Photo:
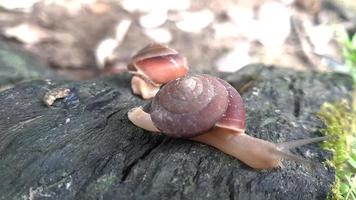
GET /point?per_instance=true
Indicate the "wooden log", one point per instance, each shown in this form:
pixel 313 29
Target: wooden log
pixel 84 147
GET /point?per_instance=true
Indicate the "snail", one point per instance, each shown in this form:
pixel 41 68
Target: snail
pixel 153 66
pixel 207 109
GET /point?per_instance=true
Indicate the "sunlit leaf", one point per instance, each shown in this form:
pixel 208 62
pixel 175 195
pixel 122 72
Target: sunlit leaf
pixel 352 162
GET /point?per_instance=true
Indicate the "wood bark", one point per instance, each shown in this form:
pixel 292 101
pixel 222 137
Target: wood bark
pixel 84 147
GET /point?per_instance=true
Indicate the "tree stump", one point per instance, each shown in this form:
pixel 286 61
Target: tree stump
pixel 84 147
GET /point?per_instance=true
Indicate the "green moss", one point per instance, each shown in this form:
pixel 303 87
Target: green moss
pixel 340 120
pixel 349 52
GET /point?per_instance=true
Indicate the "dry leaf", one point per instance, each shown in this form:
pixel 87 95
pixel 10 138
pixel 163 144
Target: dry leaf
pixel 235 59
pixel 153 19
pixel 194 22
pixel 160 35
pixel 27 33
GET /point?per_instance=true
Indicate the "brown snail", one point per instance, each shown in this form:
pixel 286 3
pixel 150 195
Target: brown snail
pixel 207 109
pixel 153 66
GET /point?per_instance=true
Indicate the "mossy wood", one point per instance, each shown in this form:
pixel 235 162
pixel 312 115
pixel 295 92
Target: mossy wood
pixel 84 147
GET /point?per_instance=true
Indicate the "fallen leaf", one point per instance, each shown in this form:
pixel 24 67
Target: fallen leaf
pixel 153 19
pixel 27 33
pixel 160 35
pixel 194 22
pixel 104 50
pixel 235 59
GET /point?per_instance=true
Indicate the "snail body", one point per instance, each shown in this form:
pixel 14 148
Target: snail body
pixel 153 66
pixel 207 109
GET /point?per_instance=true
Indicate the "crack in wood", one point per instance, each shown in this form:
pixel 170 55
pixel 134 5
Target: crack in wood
pixel 231 186
pixel 297 97
pixel 96 173
pixel 127 170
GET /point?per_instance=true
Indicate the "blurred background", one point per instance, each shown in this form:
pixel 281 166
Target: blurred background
pixel 83 39
pixel 86 39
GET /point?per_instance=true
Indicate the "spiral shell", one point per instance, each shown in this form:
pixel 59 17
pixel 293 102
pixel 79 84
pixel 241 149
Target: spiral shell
pixel 191 105
pixel 158 64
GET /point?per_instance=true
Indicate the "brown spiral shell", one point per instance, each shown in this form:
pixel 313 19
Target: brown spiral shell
pixel 191 105
pixel 158 64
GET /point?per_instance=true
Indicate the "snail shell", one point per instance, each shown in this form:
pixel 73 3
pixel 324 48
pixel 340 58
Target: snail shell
pixel 191 105
pixel 158 64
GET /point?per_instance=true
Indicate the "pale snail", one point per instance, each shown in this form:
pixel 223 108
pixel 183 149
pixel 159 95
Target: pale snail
pixel 153 66
pixel 209 110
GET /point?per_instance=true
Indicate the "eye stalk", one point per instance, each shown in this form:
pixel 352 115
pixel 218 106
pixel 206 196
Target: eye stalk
pixel 207 109
pixel 153 66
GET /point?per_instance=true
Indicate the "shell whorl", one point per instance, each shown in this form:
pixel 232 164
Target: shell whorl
pixel 191 105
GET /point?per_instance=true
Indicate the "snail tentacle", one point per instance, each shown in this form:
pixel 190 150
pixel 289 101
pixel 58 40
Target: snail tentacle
pixel 297 143
pixel 283 149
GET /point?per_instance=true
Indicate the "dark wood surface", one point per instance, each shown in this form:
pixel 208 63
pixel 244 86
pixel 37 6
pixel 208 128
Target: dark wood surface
pixel 84 147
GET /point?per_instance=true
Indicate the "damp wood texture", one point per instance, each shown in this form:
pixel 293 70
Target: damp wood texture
pixel 84 147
